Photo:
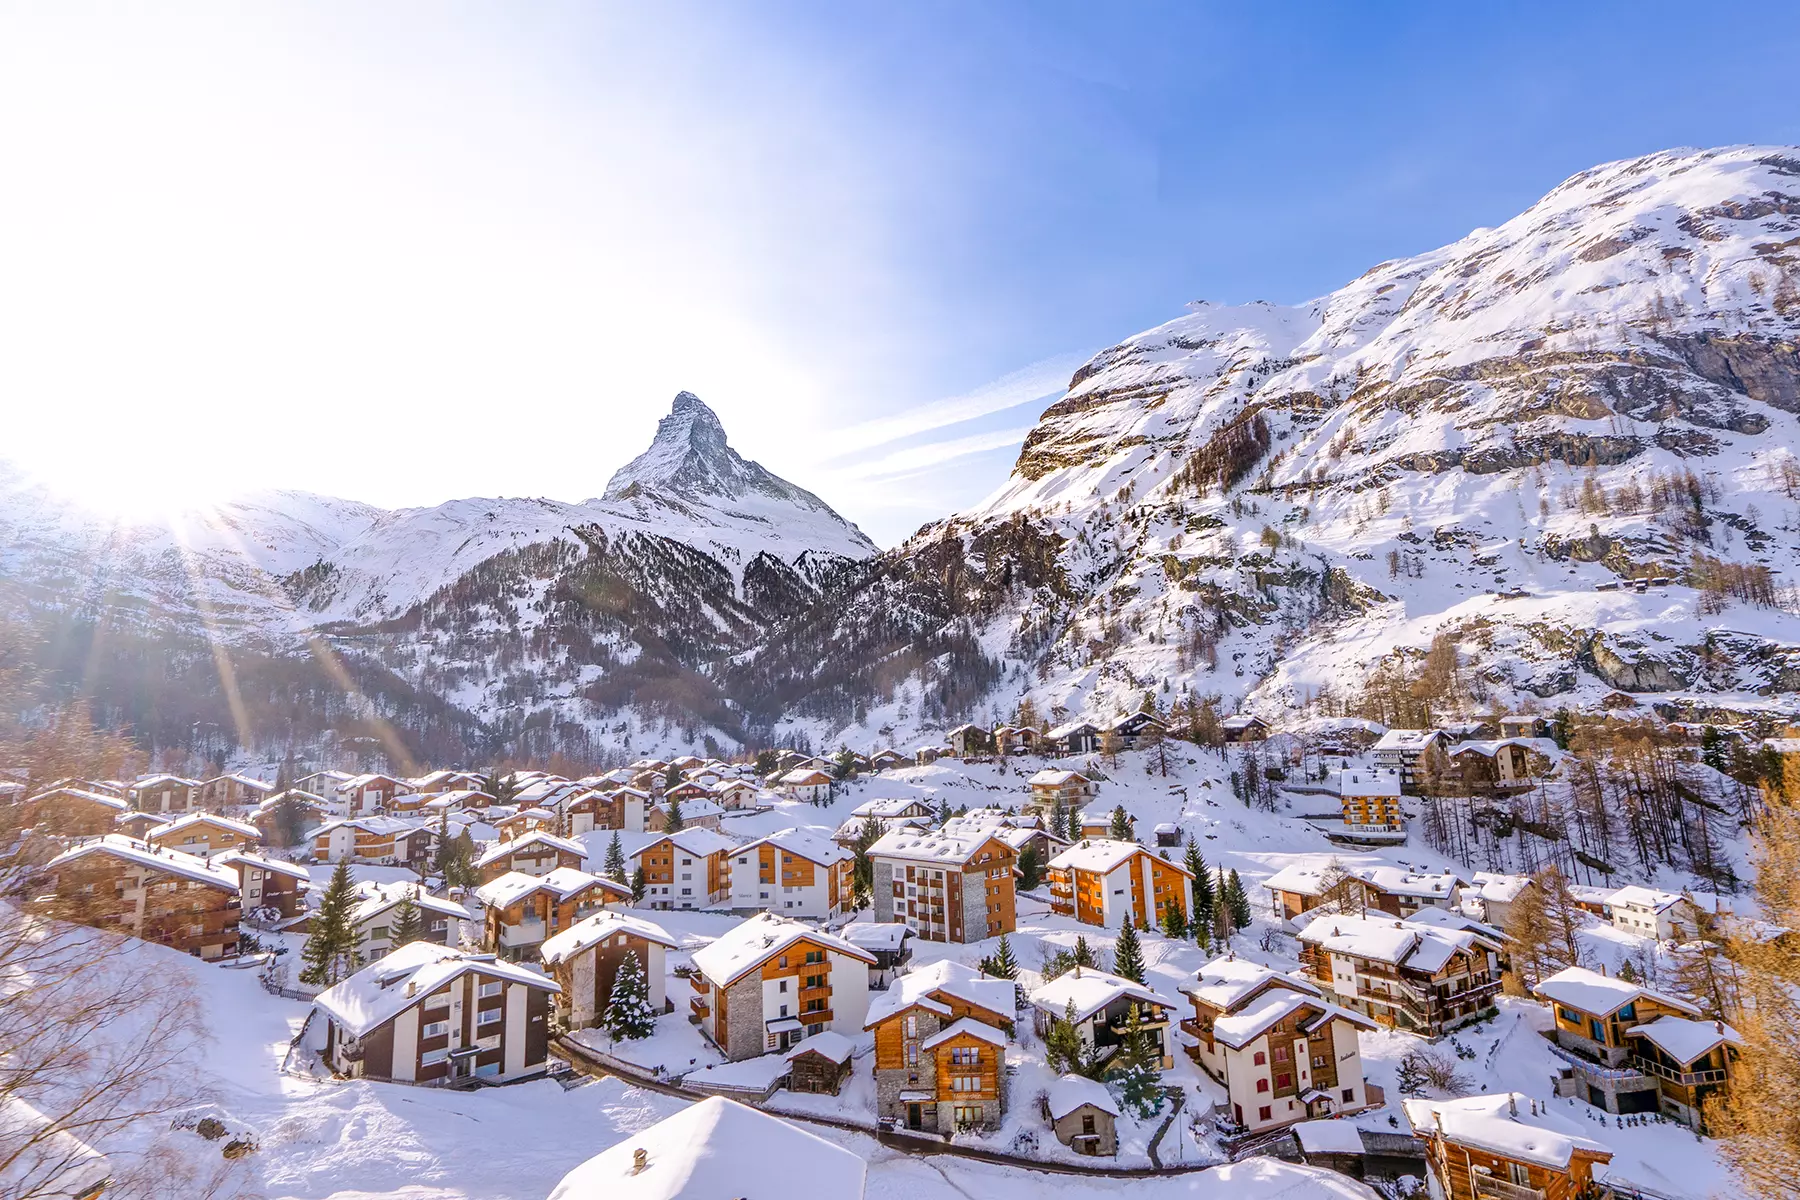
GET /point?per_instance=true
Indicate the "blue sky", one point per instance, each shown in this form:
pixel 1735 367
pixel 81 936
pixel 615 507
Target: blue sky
pixel 876 238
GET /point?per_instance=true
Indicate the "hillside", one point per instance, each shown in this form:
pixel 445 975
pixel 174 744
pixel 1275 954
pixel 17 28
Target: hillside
pixel 1286 507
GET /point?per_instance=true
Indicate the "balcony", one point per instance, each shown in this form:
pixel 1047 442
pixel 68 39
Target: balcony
pixel 1684 1078
pixel 1503 1189
pixel 699 984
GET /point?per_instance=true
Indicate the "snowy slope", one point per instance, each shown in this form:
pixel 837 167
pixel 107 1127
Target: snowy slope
pixel 1262 503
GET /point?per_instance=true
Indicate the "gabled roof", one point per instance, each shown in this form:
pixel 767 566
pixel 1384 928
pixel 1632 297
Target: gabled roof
pixel 253 784
pixel 716 1149
pixel 162 781
pixel 299 794
pixel 802 843
pixel 1063 731
pixel 1071 1092
pixel 377 898
pixel 752 942
pixel 828 1044
pixel 957 843
pixel 1226 982
pixel 1634 896
pixel 1601 995
pixel 1056 777
pixel 204 818
pixel 1499 887
pixel 563 883
pixel 1684 1040
pixel 1101 855
pixel 966 1027
pixel 1090 991
pixel 1242 721
pixel 876 935
pixel 380 826
pixel 590 932
pixel 395 982
pixel 701 842
pixel 112 802
pixel 889 806
pixel 161 858
pixel 1443 918
pixel 525 841
pixel 1504 1125
pixel 1387 939
pixel 236 857
pixel 1406 739
pixel 945 977
pixel 804 777
pixel 1256 1018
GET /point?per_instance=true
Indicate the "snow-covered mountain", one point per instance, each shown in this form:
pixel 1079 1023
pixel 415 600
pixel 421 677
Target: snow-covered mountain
pixel 511 609
pixel 1472 446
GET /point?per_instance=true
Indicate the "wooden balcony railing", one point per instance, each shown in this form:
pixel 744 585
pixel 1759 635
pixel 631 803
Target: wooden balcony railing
pixel 1504 1189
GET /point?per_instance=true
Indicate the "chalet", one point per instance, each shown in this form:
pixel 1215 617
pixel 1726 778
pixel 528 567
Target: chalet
pixel 1592 899
pixel 899 808
pixel 164 794
pixel 1083 1115
pixel 307 810
pixel 1504 1147
pixel 584 960
pixel 1415 977
pixel 162 896
pixel 1497 765
pixel 769 982
pixel 794 872
pixel 524 821
pixel 1654 914
pixel 233 791
pixel 1594 1015
pixel 889 943
pixel 205 834
pixel 136 824
pixel 1282 1051
pixel 436 783
pixel 1411 753
pixel 326 784
pixel 940 1048
pixel 1692 1061
pixel 715 1149
pixel 1523 727
pixel 369 793
pixel 967 741
pixel 1137 729
pixel 1015 739
pixel 435 1015
pixel 1301 887
pixel 621 808
pixel 806 783
pixel 1491 894
pixel 75 812
pixel 1097 821
pixel 690 868
pixel 535 853
pixel 688 789
pixel 440 919
pixel 888 758
pixel 272 891
pixel 1054 785
pixel 458 800
pixel 1370 802
pixel 699 814
pixel 373 839
pixel 820 1064
pixel 1043 842
pixel 953 884
pixel 1100 882
pixel 520 912
pixel 735 795
pixel 1102 1006
pixel 1077 737
pixel 1242 727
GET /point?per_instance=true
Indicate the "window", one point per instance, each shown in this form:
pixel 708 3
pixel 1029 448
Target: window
pixel 967 1114
pixel 489 989
pixel 965 1056
pixel 782 986
pixel 1262 1085
pixel 433 1057
pixel 1281 1054
pixel 1263 1113
pixel 1318 1060
pixel 1284 1080
pixel 912 1025
pixel 1260 1058
pixel 965 1083
pixel 488 1016
pixel 1349 1095
pixel 435 1029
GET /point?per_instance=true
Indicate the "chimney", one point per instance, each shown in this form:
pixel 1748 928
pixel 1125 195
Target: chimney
pixel 1512 1103
pixel 412 988
pixel 640 1159
pixel 1719 1027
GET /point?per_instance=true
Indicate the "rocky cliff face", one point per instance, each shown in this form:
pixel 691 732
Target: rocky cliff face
pixel 1472 446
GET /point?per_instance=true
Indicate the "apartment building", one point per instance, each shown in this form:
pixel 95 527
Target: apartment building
pixel 795 872
pixel 1419 977
pixel 690 868
pixel 159 895
pixel 520 912
pixel 770 982
pixel 953 884
pixel 1099 881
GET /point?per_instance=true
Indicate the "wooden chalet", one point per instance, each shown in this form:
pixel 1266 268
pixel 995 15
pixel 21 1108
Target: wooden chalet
pixel 536 853
pixel 205 834
pixel 1099 881
pixel 1504 1147
pixel 520 912
pixel 159 895
pixel 769 983
pixel 584 960
pixel 940 1048
pixel 271 890
pixel 74 812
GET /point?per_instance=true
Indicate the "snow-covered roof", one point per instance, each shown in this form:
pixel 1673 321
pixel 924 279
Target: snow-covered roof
pixel 1587 893
pixel 1020 836
pixel 831 1045
pixel 591 931
pixel 300 794
pixel 1261 1014
pixel 377 898
pixel 1443 918
pixel 112 802
pixel 957 842
pixel 1090 991
pixel 699 842
pixel 1056 777
pixel 393 983
pixel 1241 721
pixel 802 843
pixel 1387 939
pixel 715 1149
pixel 563 882
pixel 1406 739
pixel 1363 781
pixel 380 826
pixel 1071 1092
pixel 1601 995
pixel 967 1026
pixel 1101 855
pixel 804 777
pixel 949 978
pixel 1225 982
pixel 1498 887
pixel 235 857
pixel 692 809
pixel 161 858
pixel 204 818
pixel 759 938
pixel 1634 896
pixel 1063 731
pixel 1684 1040
pixel 536 837
pixel 889 806
pixel 1398 881
pixel 1504 1125
pixel 163 781
pixel 876 935
pixel 1328 1137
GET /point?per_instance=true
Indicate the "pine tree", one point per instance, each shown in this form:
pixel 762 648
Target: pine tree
pixel 628 1016
pixel 1083 954
pixel 1412 1078
pixel 1135 1069
pixel 1031 871
pixel 1174 921
pixel 944 812
pixel 614 869
pixel 1062 1044
pixel 1222 921
pixel 637 885
pixel 676 821
pixel 1120 829
pixel 1202 887
pixel 408 923
pixel 1237 900
pixel 1074 824
pixel 331 944
pixel 766 762
pixel 1059 817
pixel 1128 954
pixel 1003 965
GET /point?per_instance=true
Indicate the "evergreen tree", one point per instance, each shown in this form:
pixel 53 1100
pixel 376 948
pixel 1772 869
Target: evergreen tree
pixel 1627 972
pixel 1003 965
pixel 1031 871
pixel 944 812
pixel 614 868
pixel 1712 749
pixel 1412 1076
pixel 331 944
pixel 502 787
pixel 671 775
pixel 766 762
pixel 846 764
pixel 1059 817
pixel 1134 1069
pixel 1062 1043
pixel 628 1016
pixel 1222 912
pixel 408 924
pixel 458 868
pixel 1128 954
pixel 676 821
pixel 637 885
pixel 1083 954
pixel 1174 922
pixel 1202 886
pixel 1120 829
pixel 1237 900
pixel 1074 823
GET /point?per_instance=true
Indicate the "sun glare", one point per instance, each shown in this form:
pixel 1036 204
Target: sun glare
pixel 126 493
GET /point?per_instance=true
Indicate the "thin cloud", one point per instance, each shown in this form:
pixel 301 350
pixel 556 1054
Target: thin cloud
pixel 1039 380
